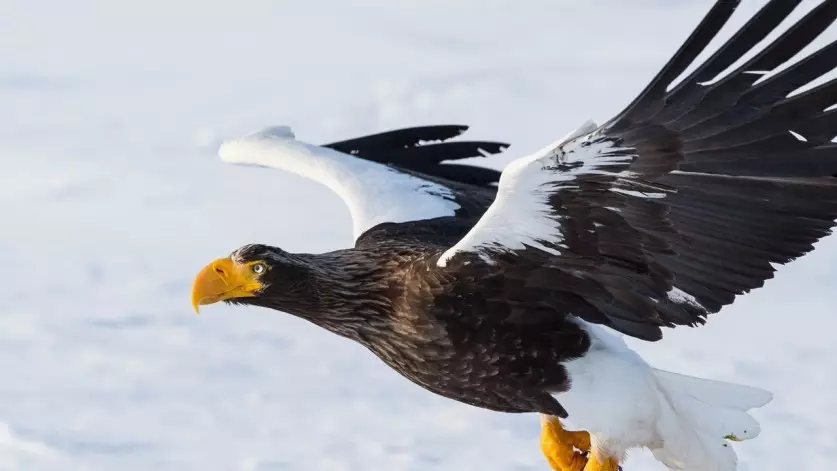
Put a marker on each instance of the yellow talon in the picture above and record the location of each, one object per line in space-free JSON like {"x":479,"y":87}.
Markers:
{"x":564,"y":450}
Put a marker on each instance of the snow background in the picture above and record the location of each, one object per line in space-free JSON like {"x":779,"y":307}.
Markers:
{"x":112,"y":197}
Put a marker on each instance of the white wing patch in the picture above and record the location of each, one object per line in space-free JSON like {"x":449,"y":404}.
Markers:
{"x":677,"y":295}
{"x":522,"y":214}
{"x":374,"y":193}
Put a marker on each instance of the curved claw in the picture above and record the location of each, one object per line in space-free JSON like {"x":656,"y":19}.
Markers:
{"x":564,"y":450}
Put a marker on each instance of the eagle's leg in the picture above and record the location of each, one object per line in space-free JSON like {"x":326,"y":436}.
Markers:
{"x":601,"y":461}
{"x":564,"y":450}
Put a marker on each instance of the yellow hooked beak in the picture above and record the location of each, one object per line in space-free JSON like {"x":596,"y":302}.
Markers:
{"x":224,"y":279}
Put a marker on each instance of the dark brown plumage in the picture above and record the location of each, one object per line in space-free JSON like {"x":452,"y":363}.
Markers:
{"x":491,"y":335}
{"x":658,"y":218}
{"x":442,"y":332}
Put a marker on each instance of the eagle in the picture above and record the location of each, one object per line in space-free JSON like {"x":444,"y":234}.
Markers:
{"x":514,"y":291}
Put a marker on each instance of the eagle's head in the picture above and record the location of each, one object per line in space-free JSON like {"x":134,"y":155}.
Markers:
{"x":339,"y":291}
{"x":254,"y":274}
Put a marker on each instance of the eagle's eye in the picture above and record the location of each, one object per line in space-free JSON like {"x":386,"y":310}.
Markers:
{"x":258,"y":268}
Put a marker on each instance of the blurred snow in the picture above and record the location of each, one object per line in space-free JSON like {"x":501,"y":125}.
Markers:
{"x":112,"y":196}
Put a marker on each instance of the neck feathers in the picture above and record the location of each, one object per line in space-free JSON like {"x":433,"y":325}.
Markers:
{"x":343,"y":292}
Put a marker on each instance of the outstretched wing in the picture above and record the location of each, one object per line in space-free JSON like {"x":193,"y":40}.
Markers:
{"x":682,"y":201}
{"x":427,"y":150}
{"x":393,"y":177}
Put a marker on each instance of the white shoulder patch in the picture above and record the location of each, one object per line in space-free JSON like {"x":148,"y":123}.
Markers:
{"x":527,"y":209}
{"x":374,"y":193}
{"x":522,"y":215}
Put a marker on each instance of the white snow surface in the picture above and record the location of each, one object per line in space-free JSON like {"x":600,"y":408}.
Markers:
{"x":112,"y":197}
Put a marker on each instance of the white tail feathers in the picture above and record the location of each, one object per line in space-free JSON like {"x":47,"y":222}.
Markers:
{"x":706,"y":415}
{"x":720,"y":393}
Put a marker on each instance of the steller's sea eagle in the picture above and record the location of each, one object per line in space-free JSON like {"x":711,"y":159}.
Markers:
{"x":515,"y":297}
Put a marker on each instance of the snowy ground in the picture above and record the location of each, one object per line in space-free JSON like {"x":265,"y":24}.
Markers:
{"x":111,"y":197}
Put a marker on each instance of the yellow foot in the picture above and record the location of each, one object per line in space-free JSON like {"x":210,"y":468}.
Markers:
{"x":564,"y":450}
{"x":552,"y":427}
